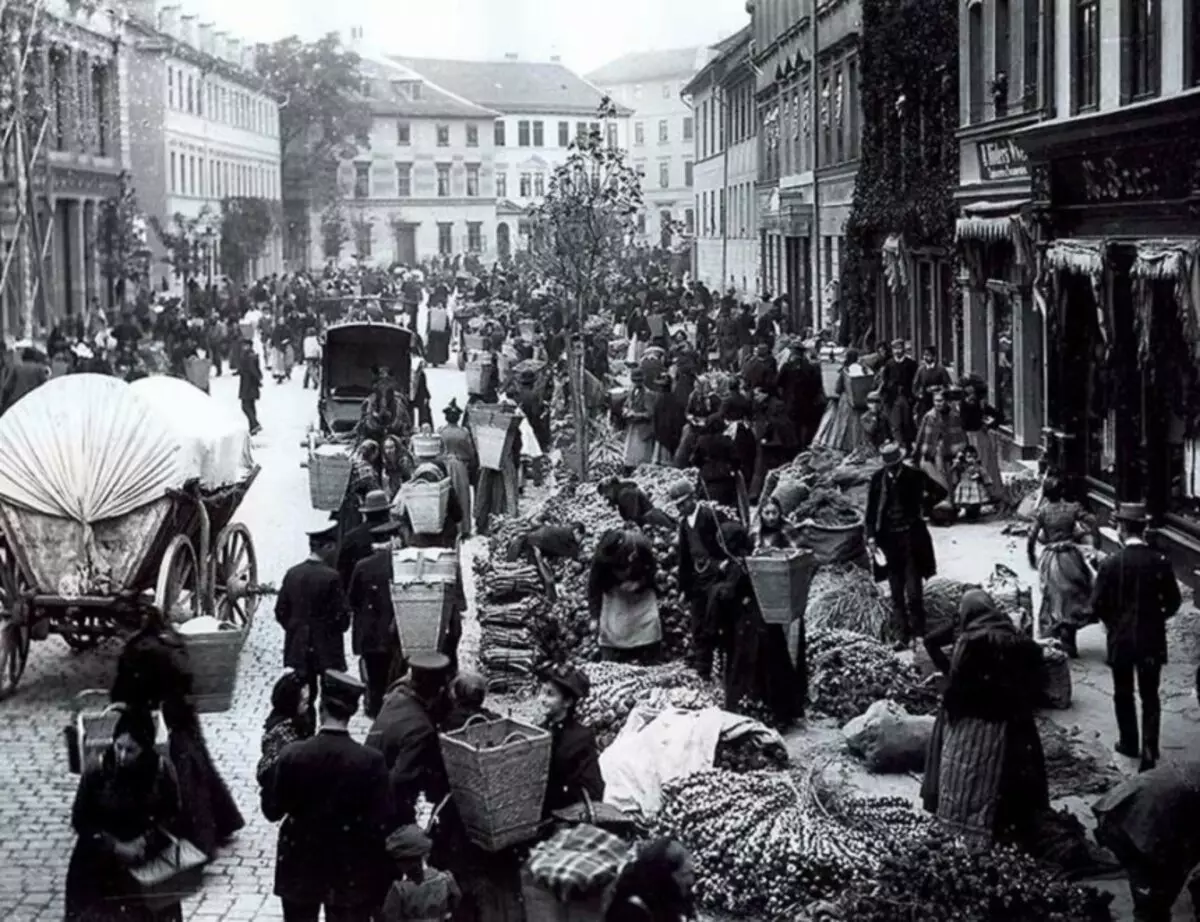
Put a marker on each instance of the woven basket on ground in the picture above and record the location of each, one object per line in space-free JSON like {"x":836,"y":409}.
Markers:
{"x":422,"y":611}
{"x":781,"y":584}
{"x":328,"y":477}
{"x":498,"y":771}
{"x":213,"y":658}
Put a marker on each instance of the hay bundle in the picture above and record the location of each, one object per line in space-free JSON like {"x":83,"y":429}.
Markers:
{"x":844,"y":598}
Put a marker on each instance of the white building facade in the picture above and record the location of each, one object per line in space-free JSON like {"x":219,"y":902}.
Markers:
{"x":726,"y":251}
{"x":662,"y":134}
{"x":202,"y":130}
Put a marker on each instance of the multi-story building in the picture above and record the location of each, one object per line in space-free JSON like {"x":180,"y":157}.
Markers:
{"x":662,"y":147}
{"x":1003,"y":90}
{"x":725,"y":248}
{"x":203,"y":130}
{"x":798,"y":147}
{"x":540,"y":108}
{"x":72,"y":73}
{"x":1113,"y":188}
{"x":426,"y":185}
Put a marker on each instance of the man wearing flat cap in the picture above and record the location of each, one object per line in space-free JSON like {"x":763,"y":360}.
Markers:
{"x":331,"y":793}
{"x":311,"y":608}
{"x":405,"y":732}
{"x":374,"y":638}
{"x":1134,"y":595}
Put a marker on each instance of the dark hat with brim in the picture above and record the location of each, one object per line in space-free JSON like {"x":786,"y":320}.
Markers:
{"x":324,"y":533}
{"x":408,"y":843}
{"x":891,"y":454}
{"x":374,"y":501}
{"x":428,"y":664}
{"x":569,"y":680}
{"x":1131,"y":512}
{"x":342,"y":688}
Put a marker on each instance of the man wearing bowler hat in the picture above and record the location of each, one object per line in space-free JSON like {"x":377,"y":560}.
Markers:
{"x":895,"y":497}
{"x":357,"y":542}
{"x":311,"y":608}
{"x":405,"y":731}
{"x":374,"y":637}
{"x":1134,"y":594}
{"x":331,"y":793}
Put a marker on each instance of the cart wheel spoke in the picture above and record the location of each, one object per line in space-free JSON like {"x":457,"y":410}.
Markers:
{"x":177,"y":589}
{"x":235,"y":572}
{"x":14,"y":630}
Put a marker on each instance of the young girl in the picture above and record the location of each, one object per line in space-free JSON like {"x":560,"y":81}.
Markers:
{"x":972,"y":491}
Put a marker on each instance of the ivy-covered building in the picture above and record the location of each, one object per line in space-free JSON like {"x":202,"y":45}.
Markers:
{"x":898,"y":278}
{"x":1113,"y":174}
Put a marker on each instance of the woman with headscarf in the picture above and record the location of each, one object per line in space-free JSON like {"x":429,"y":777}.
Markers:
{"x":461,"y":460}
{"x":758,"y":668}
{"x":290,"y":720}
{"x":979,"y":421}
{"x":841,"y":428}
{"x":153,"y":673}
{"x":395,"y":466}
{"x":716,"y":459}
{"x":125,"y":807}
{"x":498,"y":491}
{"x":430,"y":468}
{"x":985,"y":772}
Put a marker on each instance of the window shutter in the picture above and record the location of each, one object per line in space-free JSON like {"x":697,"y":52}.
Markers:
{"x":1127,"y":39}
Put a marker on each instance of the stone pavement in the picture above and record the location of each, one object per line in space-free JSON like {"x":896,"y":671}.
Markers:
{"x":36,"y":790}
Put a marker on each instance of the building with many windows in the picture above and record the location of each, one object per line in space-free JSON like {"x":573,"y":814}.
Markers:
{"x":426,"y":185}
{"x":725,"y":247}
{"x":202,"y":130}
{"x":662,"y":146}
{"x":539,"y":109}
{"x":1112,"y":183}
{"x":798,"y":147}
{"x":73,"y":76}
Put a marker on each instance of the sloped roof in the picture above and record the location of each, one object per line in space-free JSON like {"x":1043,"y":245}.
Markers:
{"x":643,"y":66}
{"x":729,"y":53}
{"x":385,"y":99}
{"x":512,"y":86}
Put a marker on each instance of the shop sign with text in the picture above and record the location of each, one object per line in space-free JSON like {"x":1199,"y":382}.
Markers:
{"x":1001,"y":158}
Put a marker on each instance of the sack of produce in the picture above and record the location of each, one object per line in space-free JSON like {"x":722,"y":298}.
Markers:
{"x":1056,"y":676}
{"x":831,"y":527}
{"x":888,"y":739}
{"x":1011,"y":594}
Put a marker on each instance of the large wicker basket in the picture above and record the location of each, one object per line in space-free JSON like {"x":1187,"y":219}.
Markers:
{"x":92,"y":726}
{"x":781,"y":584}
{"x":433,"y":564}
{"x":474,"y":342}
{"x":422,"y":612}
{"x":493,"y":428}
{"x":860,"y":386}
{"x":213,"y":658}
{"x":425,"y":445}
{"x":328,"y":478}
{"x":477,"y":376}
{"x":426,"y":505}
{"x":498,"y":770}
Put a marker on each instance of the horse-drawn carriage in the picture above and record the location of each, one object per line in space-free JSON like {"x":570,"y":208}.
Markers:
{"x":112,"y":494}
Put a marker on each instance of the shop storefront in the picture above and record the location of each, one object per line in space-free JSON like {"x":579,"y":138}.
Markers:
{"x":785,"y":225}
{"x":915,"y":300}
{"x":1118,"y":200}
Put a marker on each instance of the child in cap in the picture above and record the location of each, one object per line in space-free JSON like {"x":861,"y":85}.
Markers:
{"x":419,"y":892}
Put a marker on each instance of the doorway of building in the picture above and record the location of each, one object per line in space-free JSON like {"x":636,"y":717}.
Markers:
{"x":406,"y":244}
{"x":503,"y":243}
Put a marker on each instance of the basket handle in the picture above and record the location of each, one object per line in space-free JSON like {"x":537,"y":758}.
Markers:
{"x":433,"y":817}
{"x":591,"y":810}
{"x":513,"y":737}
{"x":472,"y":719}
{"x":81,"y":698}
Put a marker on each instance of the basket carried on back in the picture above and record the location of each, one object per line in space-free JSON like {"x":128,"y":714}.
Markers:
{"x":432,"y":564}
{"x":860,"y":387}
{"x":424,"y":445}
{"x":426,"y":505}
{"x":91,"y":730}
{"x":781,"y":584}
{"x":422,"y":611}
{"x":329,"y":469}
{"x":498,"y":771}
{"x":213,"y":658}
{"x":493,"y":428}
{"x":474,"y":342}
{"x":526,"y":328}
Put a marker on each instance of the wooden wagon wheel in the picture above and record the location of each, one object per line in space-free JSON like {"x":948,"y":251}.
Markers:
{"x":14,"y":628}
{"x":177,"y":592}
{"x":235,"y":576}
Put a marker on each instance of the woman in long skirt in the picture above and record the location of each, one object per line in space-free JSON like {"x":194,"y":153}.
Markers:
{"x":1065,"y":575}
{"x":979,"y":419}
{"x":841,"y":427}
{"x":437,"y":337}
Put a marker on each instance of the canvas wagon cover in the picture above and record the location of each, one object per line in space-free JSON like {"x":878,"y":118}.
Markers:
{"x":214,"y":439}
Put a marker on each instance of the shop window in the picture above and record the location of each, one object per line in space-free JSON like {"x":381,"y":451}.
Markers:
{"x":1031,"y":56}
{"x":445,"y":239}
{"x":1085,"y":55}
{"x":1140,"y":57}
{"x":1001,"y":385}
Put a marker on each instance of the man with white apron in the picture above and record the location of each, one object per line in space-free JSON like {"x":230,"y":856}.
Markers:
{"x":621,"y":590}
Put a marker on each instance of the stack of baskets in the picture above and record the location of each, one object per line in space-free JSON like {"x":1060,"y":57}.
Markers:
{"x":432,"y":564}
{"x":426,"y":504}
{"x":781,"y":583}
{"x":329,"y":469}
{"x":493,"y":428}
{"x":498,"y":771}
{"x":213,"y":657}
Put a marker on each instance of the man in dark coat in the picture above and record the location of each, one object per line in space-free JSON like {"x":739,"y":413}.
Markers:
{"x":669,"y":415}
{"x":701,"y":554}
{"x":405,"y":732}
{"x":759,"y":371}
{"x":374,"y":637}
{"x":927,"y":380}
{"x":332,"y":794}
{"x":896,"y":379}
{"x":1134,"y":595}
{"x":249,"y":384}
{"x":802,"y":389}
{"x":311,"y":608}
{"x":356,"y":543}
{"x":895,"y":499}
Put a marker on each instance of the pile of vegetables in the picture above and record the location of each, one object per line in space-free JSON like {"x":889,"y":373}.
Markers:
{"x":945,"y":879}
{"x":848,"y":672}
{"x":844,"y":598}
{"x":828,"y":506}
{"x":617,"y":688}
{"x":764,"y":847}
{"x":510,"y":608}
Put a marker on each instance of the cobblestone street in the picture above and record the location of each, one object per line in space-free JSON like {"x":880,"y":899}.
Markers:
{"x":36,"y":790}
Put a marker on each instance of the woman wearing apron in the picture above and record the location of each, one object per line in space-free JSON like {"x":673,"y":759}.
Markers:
{"x":622,"y":596}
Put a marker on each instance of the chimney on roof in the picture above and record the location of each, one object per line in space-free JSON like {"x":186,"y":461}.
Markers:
{"x":187,"y":29}
{"x":219,"y":42}
{"x":168,"y":20}
{"x":354,"y":38}
{"x":204,"y":37}
{"x":233,"y":50}
{"x":143,"y":11}
{"x":510,"y":56}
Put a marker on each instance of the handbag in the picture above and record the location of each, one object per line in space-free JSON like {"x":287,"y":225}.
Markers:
{"x":173,"y":873}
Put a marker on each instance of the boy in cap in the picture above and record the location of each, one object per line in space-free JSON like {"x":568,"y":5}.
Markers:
{"x":418,"y":892}
{"x":331,"y":793}
{"x":574,"y":757}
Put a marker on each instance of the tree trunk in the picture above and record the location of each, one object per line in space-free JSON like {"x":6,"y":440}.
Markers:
{"x":579,"y":394}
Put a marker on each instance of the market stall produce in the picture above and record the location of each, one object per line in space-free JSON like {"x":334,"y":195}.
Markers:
{"x":845,"y":598}
{"x":617,"y":688}
{"x":848,"y":672}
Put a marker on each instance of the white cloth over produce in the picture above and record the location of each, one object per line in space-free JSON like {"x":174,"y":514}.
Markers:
{"x":214,"y":440}
{"x":653,"y":749}
{"x":85,"y":447}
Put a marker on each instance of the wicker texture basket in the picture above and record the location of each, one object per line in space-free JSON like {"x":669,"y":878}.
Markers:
{"x":422,"y":612}
{"x":426,"y":505}
{"x":426,"y":445}
{"x":92,"y":728}
{"x":543,"y":906}
{"x":213,"y":658}
{"x":781,"y":584}
{"x":498,"y":771}
{"x":493,"y":428}
{"x":477,"y":373}
{"x":432,"y":564}
{"x":328,"y":478}
{"x":835,"y":544}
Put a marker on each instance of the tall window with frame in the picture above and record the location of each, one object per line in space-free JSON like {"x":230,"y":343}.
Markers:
{"x":1002,"y":354}
{"x":443,"y":180}
{"x":975,"y":62}
{"x":1002,"y":50}
{"x":1085,"y":55}
{"x":1031,"y":54}
{"x":1141,"y":58}
{"x":1191,"y":44}
{"x":445,"y":239}
{"x":403,"y":180}
{"x":522,"y":134}
{"x":498,"y":138}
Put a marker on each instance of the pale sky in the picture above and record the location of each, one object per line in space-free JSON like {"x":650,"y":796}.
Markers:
{"x":585,"y":33}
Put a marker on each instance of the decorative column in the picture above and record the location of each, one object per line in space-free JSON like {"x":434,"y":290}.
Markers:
{"x":77,"y":260}
{"x":1028,"y":376}
{"x":91,"y":257}
{"x":975,"y":332}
